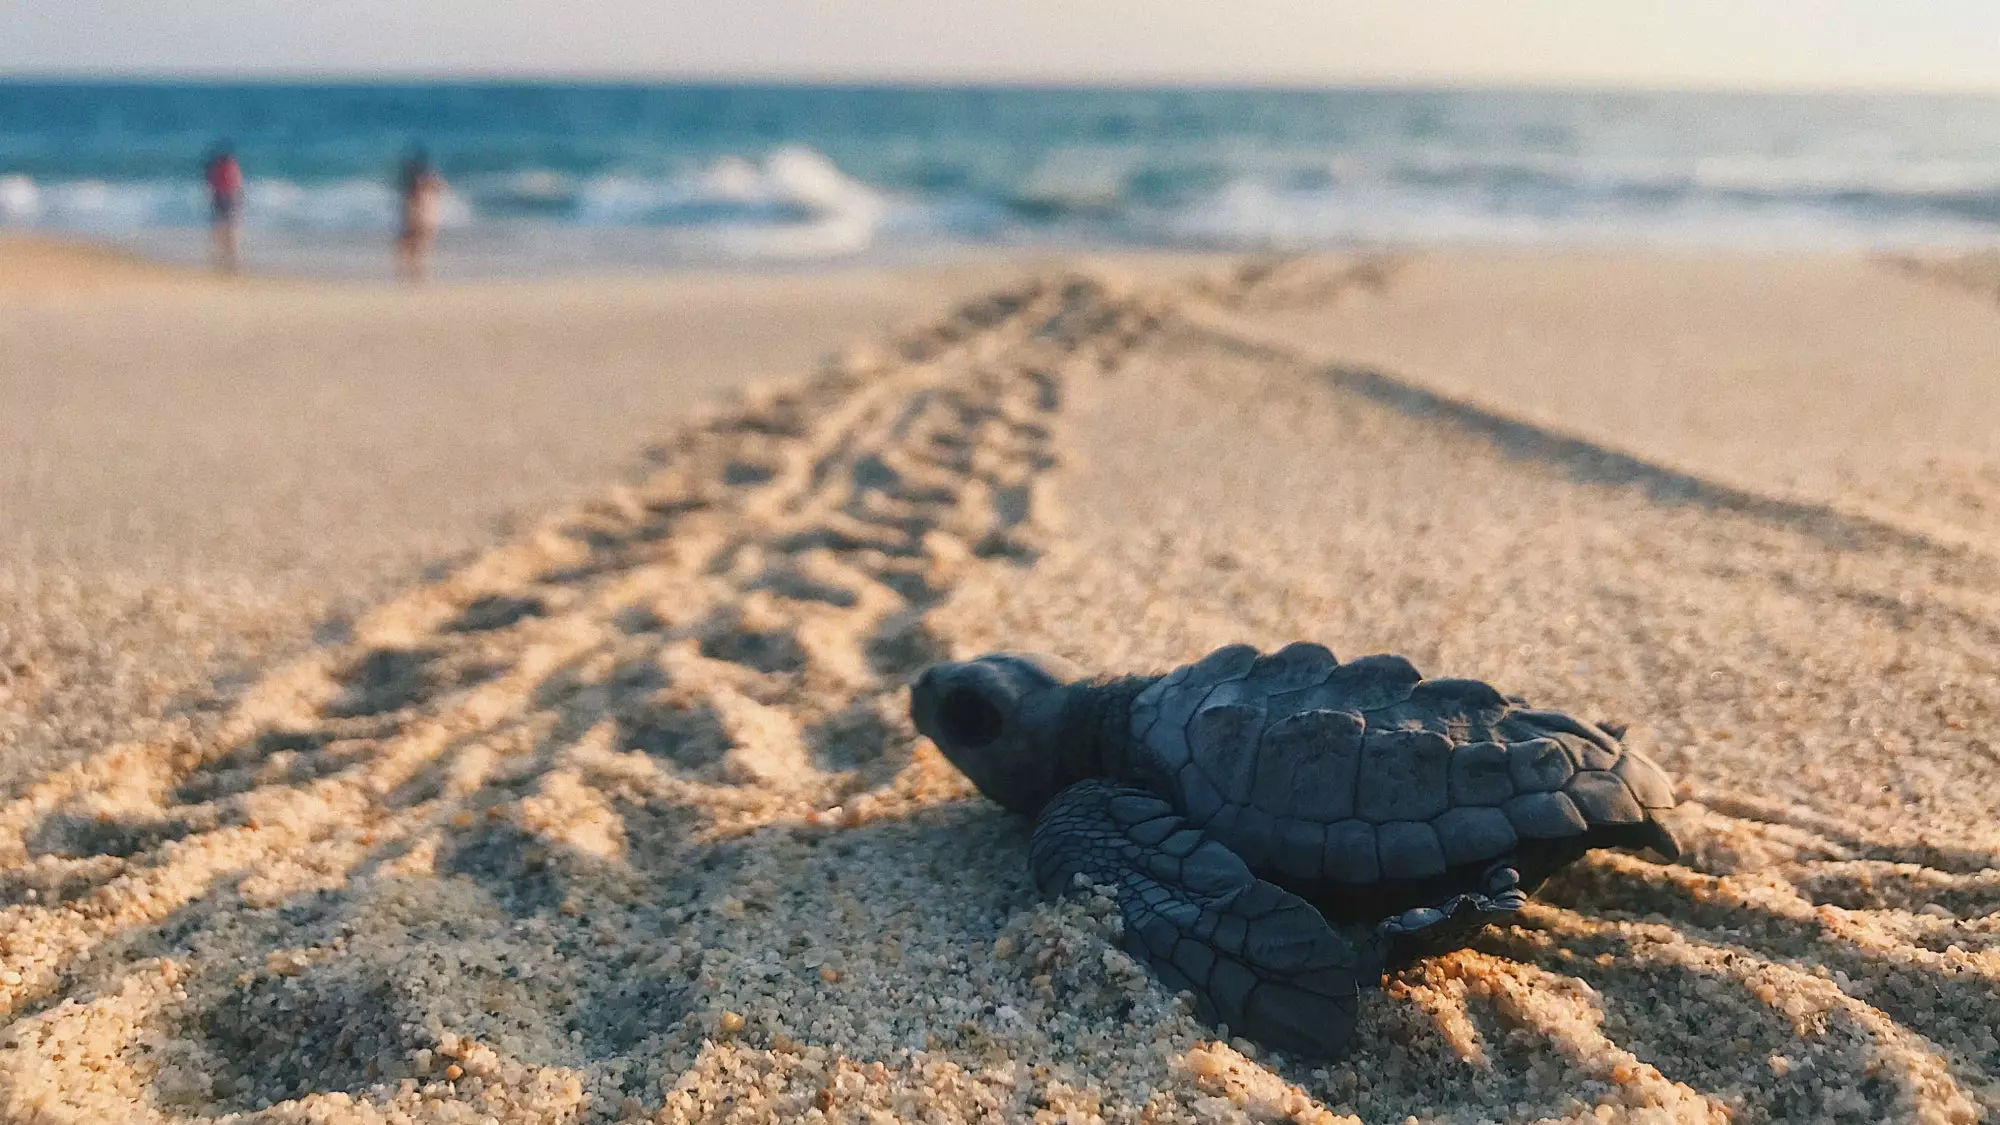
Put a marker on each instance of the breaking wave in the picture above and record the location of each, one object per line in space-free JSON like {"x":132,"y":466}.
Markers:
{"x":820,"y":173}
{"x":791,"y":200}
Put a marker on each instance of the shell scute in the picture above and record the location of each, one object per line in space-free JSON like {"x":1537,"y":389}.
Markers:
{"x":1534,"y":723}
{"x":1230,"y":662}
{"x":1307,"y":765}
{"x":1539,"y":765}
{"x":1545,"y":816}
{"x":1648,"y":781}
{"x":1371,"y":683}
{"x":1480,"y":774}
{"x":1181,"y":844}
{"x":1468,"y":709}
{"x":1296,"y":666}
{"x":1164,"y":749}
{"x":1244,"y":692}
{"x":1470,"y":834}
{"x":1254,"y":836}
{"x":1349,"y":851}
{"x":1224,"y":821}
{"x":1223,"y":738}
{"x":1405,"y":775}
{"x":1588,"y":755}
{"x":1409,"y":849}
{"x":1301,"y":853}
{"x":1461,"y":695}
{"x":1180,"y":694}
{"x":1603,"y":798}
{"x":1200,"y":799}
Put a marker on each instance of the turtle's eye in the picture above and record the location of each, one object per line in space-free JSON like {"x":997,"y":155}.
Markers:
{"x":969,"y":718}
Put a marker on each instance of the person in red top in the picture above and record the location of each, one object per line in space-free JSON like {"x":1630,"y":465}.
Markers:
{"x":225,"y":195}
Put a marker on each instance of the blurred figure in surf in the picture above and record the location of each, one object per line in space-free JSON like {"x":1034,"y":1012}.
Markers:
{"x":421,"y":189}
{"x":225,"y":197}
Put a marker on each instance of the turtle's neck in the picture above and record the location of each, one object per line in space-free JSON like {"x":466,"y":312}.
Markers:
{"x":1100,"y":714}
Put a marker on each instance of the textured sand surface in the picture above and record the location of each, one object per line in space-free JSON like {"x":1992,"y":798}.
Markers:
{"x":196,"y":474}
{"x":1977,"y":272}
{"x":1814,"y":378}
{"x":621,"y":818}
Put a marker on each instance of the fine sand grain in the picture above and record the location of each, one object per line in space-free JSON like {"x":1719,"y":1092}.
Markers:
{"x":1977,"y":272}
{"x":621,"y":818}
{"x":196,"y":474}
{"x":1817,"y":378}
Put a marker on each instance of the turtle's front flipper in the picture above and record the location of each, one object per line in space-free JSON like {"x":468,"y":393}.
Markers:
{"x":1430,"y":930}
{"x":1257,"y":958}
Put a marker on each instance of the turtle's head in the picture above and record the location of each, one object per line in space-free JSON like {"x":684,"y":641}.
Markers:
{"x":1000,"y":720}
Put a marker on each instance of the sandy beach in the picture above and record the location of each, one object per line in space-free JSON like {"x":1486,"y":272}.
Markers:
{"x":199,"y":474}
{"x":487,"y":704}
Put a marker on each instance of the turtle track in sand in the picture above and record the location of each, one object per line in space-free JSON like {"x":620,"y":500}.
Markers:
{"x":624,"y":818}
{"x":1976,"y":272}
{"x":595,"y":710}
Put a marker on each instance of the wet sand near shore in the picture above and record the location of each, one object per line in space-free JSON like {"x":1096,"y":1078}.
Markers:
{"x":620,"y":817}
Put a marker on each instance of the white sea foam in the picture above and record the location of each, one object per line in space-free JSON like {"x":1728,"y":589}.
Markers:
{"x":793,"y":202}
{"x":790,"y":186}
{"x":20,"y":199}
{"x":1253,"y":213}
{"x":100,"y":206}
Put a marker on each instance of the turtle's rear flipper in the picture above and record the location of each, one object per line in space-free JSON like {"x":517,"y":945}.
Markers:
{"x":1429,"y":930}
{"x":1257,"y":958}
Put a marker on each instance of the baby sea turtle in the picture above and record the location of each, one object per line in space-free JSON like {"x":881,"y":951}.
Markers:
{"x":1281,"y":828}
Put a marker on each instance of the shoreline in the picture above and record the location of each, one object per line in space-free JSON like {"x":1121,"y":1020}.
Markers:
{"x":31,"y":259}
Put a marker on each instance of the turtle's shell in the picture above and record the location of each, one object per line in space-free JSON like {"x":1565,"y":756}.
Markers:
{"x":1323,"y":775}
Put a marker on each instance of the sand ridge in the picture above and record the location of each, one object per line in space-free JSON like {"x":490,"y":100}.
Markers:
{"x":623,"y":820}
{"x":200,"y":479}
{"x":1818,"y":378}
{"x":1978,"y":272}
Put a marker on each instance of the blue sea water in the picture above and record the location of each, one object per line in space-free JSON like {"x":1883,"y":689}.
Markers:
{"x":551,"y":177}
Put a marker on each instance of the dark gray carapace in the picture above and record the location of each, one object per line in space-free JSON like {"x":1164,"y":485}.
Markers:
{"x":1281,"y":826}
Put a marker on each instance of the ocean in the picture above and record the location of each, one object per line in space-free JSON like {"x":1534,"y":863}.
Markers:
{"x":552,"y":178}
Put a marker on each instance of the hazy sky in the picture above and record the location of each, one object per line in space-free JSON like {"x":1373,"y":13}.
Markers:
{"x":1915,"y":43}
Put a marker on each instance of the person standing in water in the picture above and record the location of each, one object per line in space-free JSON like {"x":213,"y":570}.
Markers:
{"x":225,"y":197}
{"x":422,"y":192}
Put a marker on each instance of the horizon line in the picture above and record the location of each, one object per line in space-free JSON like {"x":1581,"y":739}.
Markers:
{"x":1136,"y":83}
